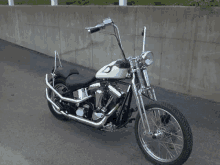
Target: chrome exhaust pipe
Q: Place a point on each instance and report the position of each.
(82, 120)
(65, 98)
(79, 119)
(91, 123)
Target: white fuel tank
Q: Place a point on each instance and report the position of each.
(115, 70)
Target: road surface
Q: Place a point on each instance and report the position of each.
(30, 135)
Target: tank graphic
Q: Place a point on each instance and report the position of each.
(112, 71)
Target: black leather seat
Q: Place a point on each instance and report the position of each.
(64, 72)
(76, 81)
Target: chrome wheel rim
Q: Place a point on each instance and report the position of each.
(167, 143)
(59, 88)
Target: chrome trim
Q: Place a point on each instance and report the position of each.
(91, 123)
(154, 95)
(146, 77)
(118, 35)
(113, 90)
(107, 21)
(139, 75)
(80, 111)
(51, 101)
(55, 61)
(144, 38)
(96, 116)
(142, 103)
(98, 98)
(150, 94)
(128, 88)
(55, 65)
(94, 86)
(82, 93)
(137, 97)
(65, 98)
(104, 109)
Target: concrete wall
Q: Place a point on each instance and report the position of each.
(185, 40)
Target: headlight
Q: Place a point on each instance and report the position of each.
(147, 58)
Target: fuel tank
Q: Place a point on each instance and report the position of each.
(115, 70)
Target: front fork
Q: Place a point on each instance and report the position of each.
(139, 98)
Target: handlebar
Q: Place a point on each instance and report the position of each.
(99, 26)
(93, 30)
(106, 22)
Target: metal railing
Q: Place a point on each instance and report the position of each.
(55, 2)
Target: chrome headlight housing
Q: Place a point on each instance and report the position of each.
(147, 58)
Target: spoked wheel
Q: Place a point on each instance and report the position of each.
(171, 140)
(60, 87)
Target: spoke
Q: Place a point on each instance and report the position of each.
(174, 125)
(178, 147)
(159, 147)
(159, 119)
(179, 137)
(158, 112)
(174, 145)
(147, 141)
(171, 155)
(156, 119)
(154, 123)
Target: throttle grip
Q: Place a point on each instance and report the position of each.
(93, 30)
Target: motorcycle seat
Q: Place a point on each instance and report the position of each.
(64, 72)
(76, 81)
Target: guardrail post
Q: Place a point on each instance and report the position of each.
(11, 2)
(122, 2)
(54, 2)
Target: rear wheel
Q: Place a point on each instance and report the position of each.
(171, 142)
(60, 87)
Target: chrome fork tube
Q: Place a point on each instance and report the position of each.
(146, 77)
(142, 103)
(139, 101)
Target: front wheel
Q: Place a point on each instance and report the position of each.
(171, 140)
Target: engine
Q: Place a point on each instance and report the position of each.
(106, 96)
(86, 108)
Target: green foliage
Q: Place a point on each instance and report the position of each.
(27, 2)
(87, 2)
(203, 4)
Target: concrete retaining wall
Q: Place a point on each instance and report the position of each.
(185, 40)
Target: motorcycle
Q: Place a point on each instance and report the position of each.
(162, 132)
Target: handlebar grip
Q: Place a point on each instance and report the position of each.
(93, 30)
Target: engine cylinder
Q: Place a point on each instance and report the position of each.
(114, 91)
(99, 95)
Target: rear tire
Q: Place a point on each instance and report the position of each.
(166, 138)
(58, 84)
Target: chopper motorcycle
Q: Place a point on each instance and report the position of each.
(162, 132)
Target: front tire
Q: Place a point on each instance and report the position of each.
(60, 86)
(172, 145)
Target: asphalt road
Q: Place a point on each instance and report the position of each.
(30, 135)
